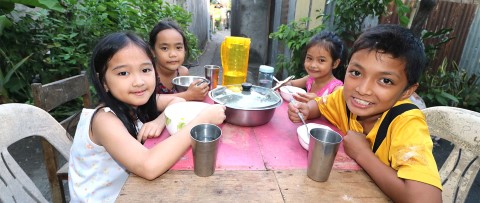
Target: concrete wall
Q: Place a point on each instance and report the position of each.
(200, 17)
(308, 8)
(252, 19)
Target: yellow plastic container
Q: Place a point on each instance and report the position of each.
(234, 56)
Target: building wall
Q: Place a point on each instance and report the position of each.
(470, 60)
(465, 1)
(200, 18)
(308, 8)
(252, 19)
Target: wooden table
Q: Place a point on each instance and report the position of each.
(256, 164)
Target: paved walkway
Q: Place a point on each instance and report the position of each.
(211, 53)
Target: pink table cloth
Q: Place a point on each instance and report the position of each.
(271, 146)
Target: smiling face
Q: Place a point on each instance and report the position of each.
(130, 76)
(169, 50)
(374, 82)
(318, 62)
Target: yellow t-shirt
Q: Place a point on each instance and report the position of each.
(407, 147)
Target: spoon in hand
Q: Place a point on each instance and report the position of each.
(298, 113)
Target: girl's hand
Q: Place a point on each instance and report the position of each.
(304, 97)
(197, 92)
(293, 110)
(151, 129)
(214, 114)
(355, 144)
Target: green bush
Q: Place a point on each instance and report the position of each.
(447, 85)
(61, 43)
(296, 36)
(450, 86)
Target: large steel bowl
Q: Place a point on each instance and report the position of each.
(181, 83)
(246, 108)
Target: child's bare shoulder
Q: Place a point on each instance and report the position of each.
(104, 115)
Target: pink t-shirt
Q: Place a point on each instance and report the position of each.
(327, 89)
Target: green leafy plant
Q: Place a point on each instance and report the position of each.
(295, 35)
(61, 43)
(402, 11)
(450, 86)
(351, 14)
(5, 78)
(434, 40)
(6, 6)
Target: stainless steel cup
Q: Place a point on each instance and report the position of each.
(322, 149)
(212, 73)
(204, 147)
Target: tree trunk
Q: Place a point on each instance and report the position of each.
(426, 7)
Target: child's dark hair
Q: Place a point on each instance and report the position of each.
(397, 41)
(105, 49)
(332, 43)
(165, 25)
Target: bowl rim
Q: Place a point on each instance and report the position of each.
(188, 76)
(301, 136)
(282, 89)
(169, 107)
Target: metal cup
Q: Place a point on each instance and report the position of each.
(211, 73)
(322, 149)
(204, 147)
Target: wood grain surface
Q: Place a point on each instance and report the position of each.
(252, 186)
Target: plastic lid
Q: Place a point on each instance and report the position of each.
(266, 69)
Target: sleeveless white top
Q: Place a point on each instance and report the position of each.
(93, 175)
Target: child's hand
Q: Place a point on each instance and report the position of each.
(293, 110)
(197, 92)
(304, 97)
(355, 144)
(214, 114)
(150, 130)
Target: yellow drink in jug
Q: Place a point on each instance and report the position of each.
(234, 55)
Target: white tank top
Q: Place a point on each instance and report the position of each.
(93, 175)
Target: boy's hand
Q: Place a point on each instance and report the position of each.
(151, 129)
(293, 110)
(197, 92)
(304, 97)
(355, 144)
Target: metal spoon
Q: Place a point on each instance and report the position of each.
(298, 113)
(276, 80)
(280, 83)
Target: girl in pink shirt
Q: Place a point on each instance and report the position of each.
(324, 53)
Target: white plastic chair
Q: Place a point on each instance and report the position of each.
(462, 128)
(18, 121)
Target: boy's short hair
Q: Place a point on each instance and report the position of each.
(397, 41)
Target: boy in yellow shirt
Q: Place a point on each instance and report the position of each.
(385, 133)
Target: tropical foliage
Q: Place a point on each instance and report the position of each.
(58, 36)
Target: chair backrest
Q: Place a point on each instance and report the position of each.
(462, 128)
(18, 121)
(51, 95)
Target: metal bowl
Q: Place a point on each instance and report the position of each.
(181, 83)
(253, 106)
